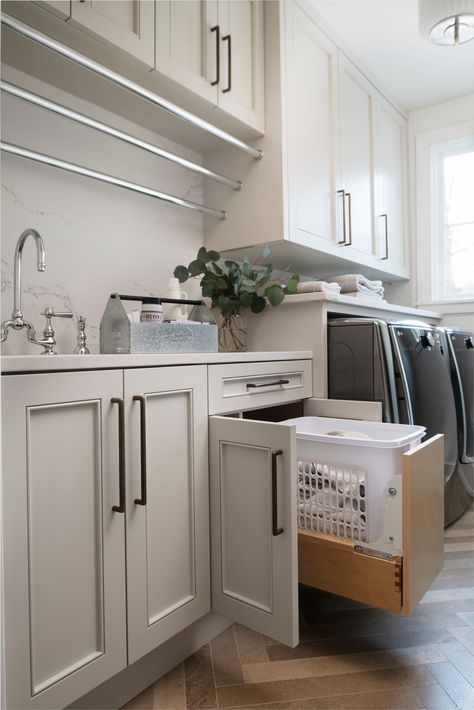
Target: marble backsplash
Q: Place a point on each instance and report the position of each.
(98, 238)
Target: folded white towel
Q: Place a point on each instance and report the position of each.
(360, 295)
(357, 282)
(318, 287)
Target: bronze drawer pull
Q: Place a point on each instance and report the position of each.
(228, 39)
(251, 385)
(275, 529)
(142, 400)
(217, 30)
(120, 508)
(343, 240)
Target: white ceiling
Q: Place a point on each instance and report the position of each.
(384, 35)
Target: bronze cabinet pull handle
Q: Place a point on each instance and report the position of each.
(385, 217)
(252, 385)
(343, 240)
(120, 508)
(142, 400)
(275, 529)
(228, 39)
(217, 30)
(349, 215)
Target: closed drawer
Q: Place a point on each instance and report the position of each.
(253, 385)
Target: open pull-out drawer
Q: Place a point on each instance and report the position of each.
(259, 555)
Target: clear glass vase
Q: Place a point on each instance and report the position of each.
(233, 334)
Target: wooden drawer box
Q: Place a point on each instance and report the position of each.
(252, 385)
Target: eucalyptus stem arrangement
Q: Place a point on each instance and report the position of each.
(234, 286)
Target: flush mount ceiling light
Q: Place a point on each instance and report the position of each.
(447, 22)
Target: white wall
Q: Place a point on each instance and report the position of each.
(423, 121)
(98, 238)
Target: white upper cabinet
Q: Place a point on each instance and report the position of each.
(127, 24)
(214, 48)
(61, 8)
(168, 503)
(356, 111)
(312, 115)
(64, 563)
(391, 207)
(241, 81)
(188, 43)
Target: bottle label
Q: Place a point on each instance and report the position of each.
(151, 317)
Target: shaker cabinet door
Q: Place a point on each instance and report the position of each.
(64, 570)
(167, 503)
(356, 102)
(391, 183)
(241, 85)
(253, 525)
(312, 116)
(127, 24)
(188, 44)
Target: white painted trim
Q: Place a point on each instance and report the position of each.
(427, 145)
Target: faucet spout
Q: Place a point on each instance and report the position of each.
(17, 316)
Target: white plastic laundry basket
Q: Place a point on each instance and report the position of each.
(343, 469)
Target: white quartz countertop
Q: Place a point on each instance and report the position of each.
(53, 363)
(365, 304)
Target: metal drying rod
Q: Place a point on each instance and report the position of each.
(36, 100)
(131, 86)
(103, 177)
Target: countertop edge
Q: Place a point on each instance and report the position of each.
(24, 364)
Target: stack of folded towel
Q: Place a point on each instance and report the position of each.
(358, 286)
(331, 289)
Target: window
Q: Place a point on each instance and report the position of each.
(452, 207)
(444, 244)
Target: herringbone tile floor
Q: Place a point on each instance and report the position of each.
(350, 655)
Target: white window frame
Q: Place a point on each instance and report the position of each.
(431, 148)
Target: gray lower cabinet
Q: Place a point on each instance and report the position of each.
(74, 538)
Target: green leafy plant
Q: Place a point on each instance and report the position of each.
(234, 285)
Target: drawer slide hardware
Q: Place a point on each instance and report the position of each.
(361, 549)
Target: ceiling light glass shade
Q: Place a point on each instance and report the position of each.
(447, 22)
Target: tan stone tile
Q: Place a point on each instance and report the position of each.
(434, 697)
(441, 595)
(305, 688)
(144, 701)
(342, 663)
(401, 698)
(453, 682)
(464, 634)
(251, 645)
(225, 659)
(199, 680)
(458, 546)
(170, 692)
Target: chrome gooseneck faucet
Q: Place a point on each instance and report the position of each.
(17, 322)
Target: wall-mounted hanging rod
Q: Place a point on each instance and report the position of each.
(79, 170)
(115, 133)
(131, 86)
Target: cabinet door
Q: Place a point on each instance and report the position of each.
(356, 103)
(167, 503)
(61, 8)
(186, 45)
(390, 166)
(311, 87)
(64, 563)
(127, 24)
(241, 86)
(253, 525)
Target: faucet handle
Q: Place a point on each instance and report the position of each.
(49, 312)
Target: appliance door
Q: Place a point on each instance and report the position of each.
(360, 363)
(424, 371)
(461, 350)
